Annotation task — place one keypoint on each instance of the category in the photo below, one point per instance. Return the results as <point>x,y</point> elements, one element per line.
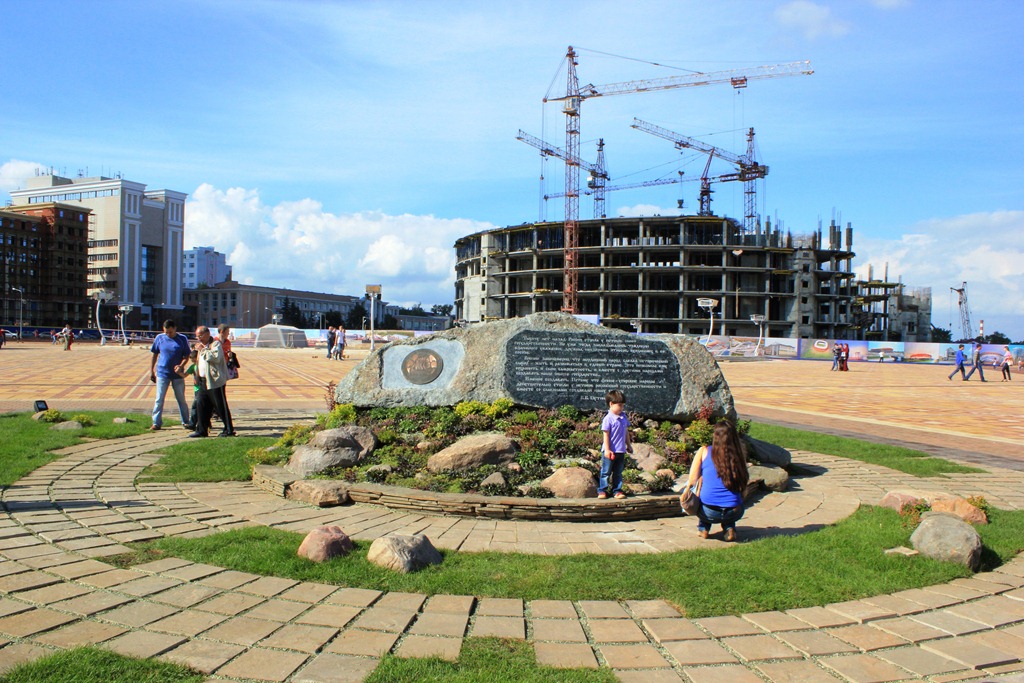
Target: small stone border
<point>278,481</point>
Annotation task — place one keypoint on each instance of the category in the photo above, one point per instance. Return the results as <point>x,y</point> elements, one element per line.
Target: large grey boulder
<point>470,452</point>
<point>403,553</point>
<point>944,536</point>
<point>544,360</point>
<point>341,447</point>
<point>772,477</point>
<point>324,543</point>
<point>767,453</point>
<point>571,482</point>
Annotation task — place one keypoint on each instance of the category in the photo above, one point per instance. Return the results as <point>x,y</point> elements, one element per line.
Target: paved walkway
<point>61,520</point>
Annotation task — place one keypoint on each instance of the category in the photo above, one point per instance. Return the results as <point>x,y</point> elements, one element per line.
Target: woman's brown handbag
<point>690,499</point>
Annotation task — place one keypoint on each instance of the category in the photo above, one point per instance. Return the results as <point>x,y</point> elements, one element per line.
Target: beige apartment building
<point>135,246</point>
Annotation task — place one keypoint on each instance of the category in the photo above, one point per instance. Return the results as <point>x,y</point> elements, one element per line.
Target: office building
<point>204,267</point>
<point>135,240</point>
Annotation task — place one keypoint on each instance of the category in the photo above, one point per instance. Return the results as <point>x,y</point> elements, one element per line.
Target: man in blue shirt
<point>169,350</point>
<point>959,364</point>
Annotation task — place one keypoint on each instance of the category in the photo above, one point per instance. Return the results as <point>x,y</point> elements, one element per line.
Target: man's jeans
<point>177,385</point>
<point>613,469</point>
<point>727,517</point>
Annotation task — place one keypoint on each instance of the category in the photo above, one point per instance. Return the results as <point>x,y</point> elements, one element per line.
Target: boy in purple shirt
<point>617,442</point>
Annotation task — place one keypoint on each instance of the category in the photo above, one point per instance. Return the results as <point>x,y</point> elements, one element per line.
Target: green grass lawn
<point>906,460</point>
<point>27,443</point>
<point>205,460</point>
<point>91,665</point>
<point>836,563</point>
<point>484,659</point>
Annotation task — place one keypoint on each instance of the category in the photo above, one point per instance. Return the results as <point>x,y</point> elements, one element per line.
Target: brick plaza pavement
<point>59,522</point>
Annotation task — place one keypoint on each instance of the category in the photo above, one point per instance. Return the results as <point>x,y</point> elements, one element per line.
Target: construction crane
<point>749,169</point>
<point>966,329</point>
<point>615,188</point>
<point>571,101</point>
<point>598,174</point>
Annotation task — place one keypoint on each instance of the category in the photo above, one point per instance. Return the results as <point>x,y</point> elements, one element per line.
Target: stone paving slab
<point>238,625</point>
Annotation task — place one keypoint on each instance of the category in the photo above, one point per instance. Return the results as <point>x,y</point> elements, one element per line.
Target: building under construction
<point>661,273</point>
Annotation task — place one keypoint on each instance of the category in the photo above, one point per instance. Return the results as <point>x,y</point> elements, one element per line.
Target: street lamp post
<point>101,296</point>
<point>759,319</point>
<point>372,291</point>
<point>709,306</point>
<point>125,310</point>
<point>21,312</point>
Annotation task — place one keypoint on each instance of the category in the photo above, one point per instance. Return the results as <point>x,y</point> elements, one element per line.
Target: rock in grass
<point>70,425</point>
<point>324,543</point>
<point>403,553</point>
<point>122,420</point>
<point>944,536</point>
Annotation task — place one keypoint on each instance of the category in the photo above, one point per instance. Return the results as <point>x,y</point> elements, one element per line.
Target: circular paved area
<point>61,520</point>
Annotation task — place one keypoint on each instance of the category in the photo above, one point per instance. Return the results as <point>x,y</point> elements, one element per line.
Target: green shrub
<point>661,483</point>
<point>701,431</point>
<point>476,422</point>
<point>53,416</point>
<point>443,422</point>
<point>569,413</point>
<point>526,417</point>
<point>531,458</point>
<point>386,436</point>
<point>296,435</point>
<point>470,408</point>
<point>539,492</point>
<point>631,476</point>
<point>665,427</point>
<point>548,442</point>
<point>408,426</point>
<point>265,456</point>
<point>641,436</point>
<point>911,513</point>
<point>497,489</point>
<point>499,407</point>
<point>981,503</point>
<point>84,420</point>
<point>376,476</point>
<point>743,427</point>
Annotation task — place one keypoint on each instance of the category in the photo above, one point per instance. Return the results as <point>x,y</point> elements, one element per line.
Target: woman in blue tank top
<point>719,476</point>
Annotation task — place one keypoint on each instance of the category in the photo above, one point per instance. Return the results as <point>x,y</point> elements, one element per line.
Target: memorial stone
<point>545,360</point>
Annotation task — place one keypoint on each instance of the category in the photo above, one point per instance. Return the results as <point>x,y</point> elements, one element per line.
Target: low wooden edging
<point>646,506</point>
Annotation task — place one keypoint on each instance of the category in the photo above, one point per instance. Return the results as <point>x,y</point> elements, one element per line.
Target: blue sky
<point>326,145</point>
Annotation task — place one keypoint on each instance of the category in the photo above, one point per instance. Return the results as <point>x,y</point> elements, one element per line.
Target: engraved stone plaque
<point>557,368</point>
<point>422,366</point>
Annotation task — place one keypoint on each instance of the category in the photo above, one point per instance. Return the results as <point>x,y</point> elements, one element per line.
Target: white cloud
<point>890,4</point>
<point>298,245</point>
<point>981,249</point>
<point>813,20</point>
<point>15,172</point>
<point>644,210</point>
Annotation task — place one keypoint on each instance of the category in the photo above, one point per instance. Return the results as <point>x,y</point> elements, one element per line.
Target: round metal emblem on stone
<point>422,366</point>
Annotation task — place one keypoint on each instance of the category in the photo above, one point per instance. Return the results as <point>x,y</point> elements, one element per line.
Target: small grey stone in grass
<point>70,425</point>
<point>901,550</point>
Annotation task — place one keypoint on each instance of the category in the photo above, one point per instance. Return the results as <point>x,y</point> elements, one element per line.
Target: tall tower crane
<point>571,101</point>
<point>596,181</point>
<point>966,329</point>
<point>749,170</point>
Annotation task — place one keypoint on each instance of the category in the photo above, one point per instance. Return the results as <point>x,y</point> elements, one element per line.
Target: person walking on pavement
<point>837,351</point>
<point>959,360</point>
<point>976,363</point>
<point>213,375</point>
<point>169,349</point>
<point>331,337</point>
<point>1007,362</point>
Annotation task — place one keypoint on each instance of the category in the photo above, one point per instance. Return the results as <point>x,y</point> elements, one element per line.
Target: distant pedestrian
<point>844,358</point>
<point>339,344</point>
<point>1007,362</point>
<point>881,355</point>
<point>617,443</point>
<point>3,337</point>
<point>837,352</point>
<point>959,360</point>
<point>331,337</point>
<point>976,363</point>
